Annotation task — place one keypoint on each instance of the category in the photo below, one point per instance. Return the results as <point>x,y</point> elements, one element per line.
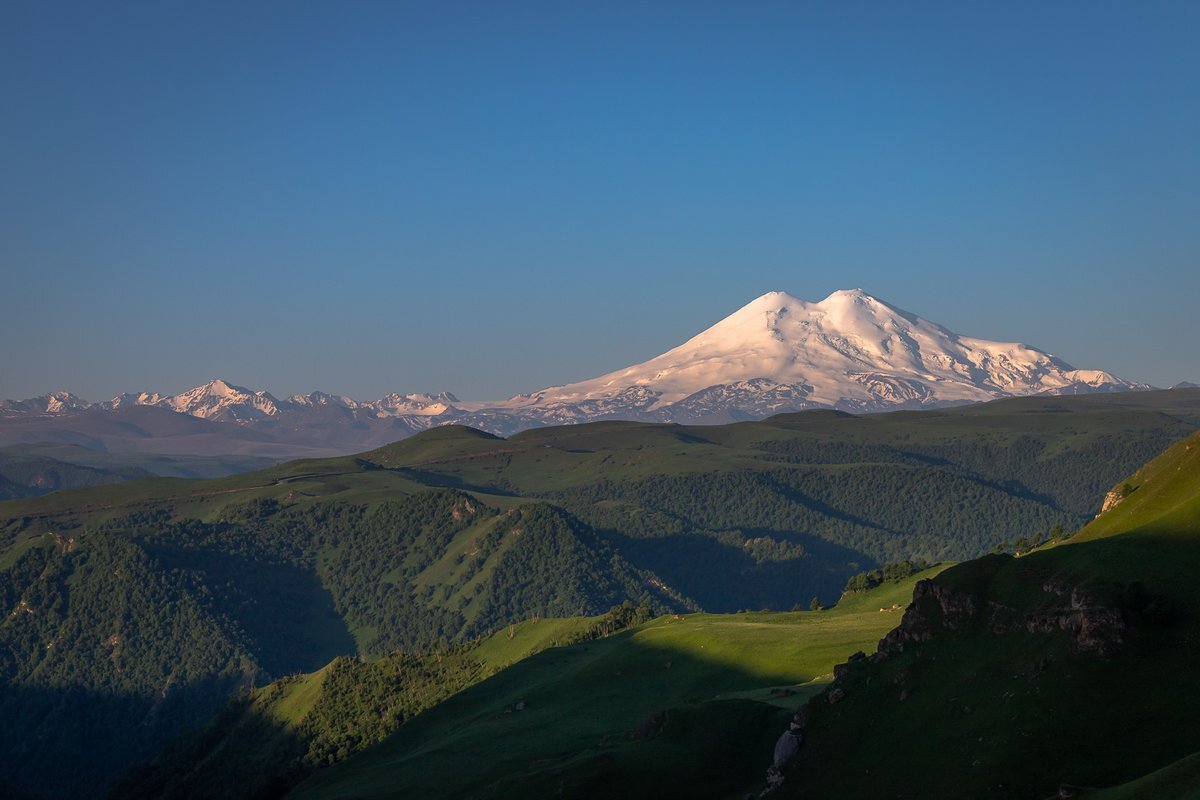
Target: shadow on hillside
<point>631,715</point>
<point>623,717</point>
<point>1010,684</point>
<point>826,510</point>
<point>725,578</point>
<point>288,616</point>
<point>703,750</point>
<point>443,481</point>
<point>241,753</point>
<point>70,742</point>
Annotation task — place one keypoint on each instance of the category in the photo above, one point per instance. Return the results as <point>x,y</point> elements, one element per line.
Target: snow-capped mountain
<point>321,399</point>
<point>224,402</point>
<point>850,351</point>
<point>778,353</point>
<point>420,405</point>
<point>52,403</point>
<point>136,399</point>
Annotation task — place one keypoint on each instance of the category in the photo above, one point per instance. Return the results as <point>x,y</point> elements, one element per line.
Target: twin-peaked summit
<point>850,351</point>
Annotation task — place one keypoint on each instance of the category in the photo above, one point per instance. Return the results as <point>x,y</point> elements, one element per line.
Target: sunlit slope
<point>1011,676</point>
<point>269,739</point>
<point>1163,496</point>
<point>672,681</point>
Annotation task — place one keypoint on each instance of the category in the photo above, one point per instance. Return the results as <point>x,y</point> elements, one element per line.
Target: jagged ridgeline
<point>1012,677</point>
<point>135,610</point>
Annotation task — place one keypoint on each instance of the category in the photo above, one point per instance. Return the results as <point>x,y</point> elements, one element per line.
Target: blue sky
<point>490,198</point>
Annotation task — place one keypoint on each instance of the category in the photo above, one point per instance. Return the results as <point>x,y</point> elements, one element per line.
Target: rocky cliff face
<point>1115,496</point>
<point>973,603</point>
<point>1095,624</point>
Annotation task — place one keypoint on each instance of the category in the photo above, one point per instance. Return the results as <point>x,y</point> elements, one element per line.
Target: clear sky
<point>490,198</point>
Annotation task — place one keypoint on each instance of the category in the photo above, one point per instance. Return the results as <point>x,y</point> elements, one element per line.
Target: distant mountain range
<point>778,353</point>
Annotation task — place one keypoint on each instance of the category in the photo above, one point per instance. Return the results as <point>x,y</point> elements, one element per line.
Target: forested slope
<point>136,609</point>
<point>117,637</point>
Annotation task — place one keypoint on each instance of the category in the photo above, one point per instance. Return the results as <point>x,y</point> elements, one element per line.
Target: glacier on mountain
<point>778,353</point>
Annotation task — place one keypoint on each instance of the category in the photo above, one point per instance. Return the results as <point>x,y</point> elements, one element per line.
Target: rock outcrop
<point>1096,620</point>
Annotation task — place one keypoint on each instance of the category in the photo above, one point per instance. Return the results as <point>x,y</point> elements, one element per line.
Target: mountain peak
<point>850,351</point>
<point>60,402</point>
<point>221,388</point>
<point>774,298</point>
<point>853,294</point>
<point>779,300</point>
<point>64,402</point>
<point>219,399</point>
<point>849,298</point>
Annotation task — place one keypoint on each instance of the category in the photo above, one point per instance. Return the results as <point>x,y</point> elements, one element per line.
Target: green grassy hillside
<point>1011,676</point>
<point>136,609</point>
<point>271,738</point>
<point>625,715</point>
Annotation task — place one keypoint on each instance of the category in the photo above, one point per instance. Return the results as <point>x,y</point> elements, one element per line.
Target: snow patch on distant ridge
<point>850,351</point>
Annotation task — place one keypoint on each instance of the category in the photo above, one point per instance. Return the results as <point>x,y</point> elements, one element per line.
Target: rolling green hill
<point>623,714</point>
<point>812,497</point>
<point>135,610</point>
<point>1009,677</point>
<point>269,739</point>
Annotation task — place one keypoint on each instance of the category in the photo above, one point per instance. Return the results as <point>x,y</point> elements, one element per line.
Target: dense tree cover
<point>839,506</point>
<point>555,568</point>
<point>260,744</point>
<point>1068,468</point>
<point>117,637</point>
<point>1024,543</point>
<point>888,572</point>
<point>104,654</point>
<point>883,512</point>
